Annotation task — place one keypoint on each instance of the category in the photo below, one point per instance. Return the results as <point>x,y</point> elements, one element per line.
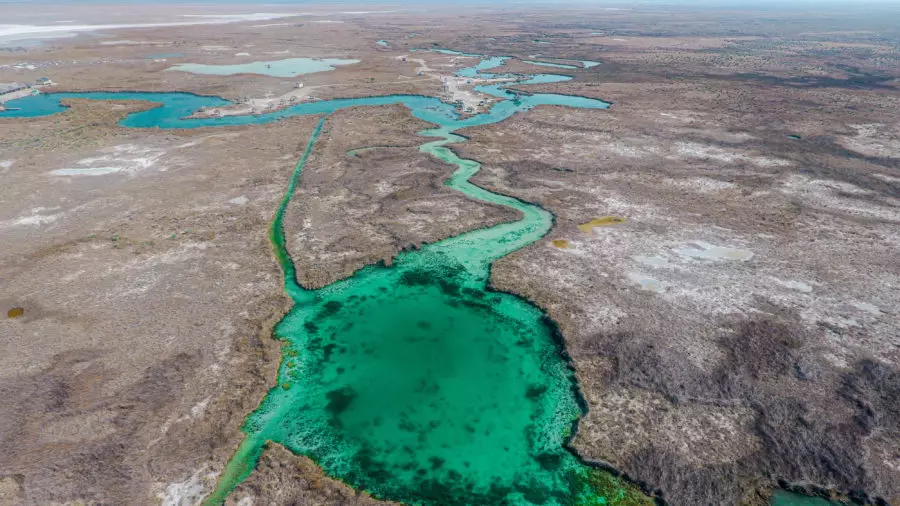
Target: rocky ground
<point>727,292</point>
<point>148,299</point>
<point>126,59</point>
<point>284,478</point>
<point>368,192</point>
<point>737,324</point>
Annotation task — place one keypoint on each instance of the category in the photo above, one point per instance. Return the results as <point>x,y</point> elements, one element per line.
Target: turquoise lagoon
<point>784,498</point>
<point>585,64</point>
<point>415,382</point>
<point>548,64</point>
<point>290,67</point>
<point>164,56</point>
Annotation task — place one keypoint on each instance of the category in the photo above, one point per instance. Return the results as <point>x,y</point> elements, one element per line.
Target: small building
<point>298,85</point>
<point>44,81</point>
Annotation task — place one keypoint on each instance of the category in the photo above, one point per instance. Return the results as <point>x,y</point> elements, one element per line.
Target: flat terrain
<point>368,193</point>
<point>723,267</point>
<point>148,299</point>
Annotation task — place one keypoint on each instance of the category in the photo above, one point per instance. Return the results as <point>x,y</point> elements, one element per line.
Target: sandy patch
<point>127,158</point>
<point>705,152</point>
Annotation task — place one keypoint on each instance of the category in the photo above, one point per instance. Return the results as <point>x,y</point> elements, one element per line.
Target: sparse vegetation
<point>769,132</point>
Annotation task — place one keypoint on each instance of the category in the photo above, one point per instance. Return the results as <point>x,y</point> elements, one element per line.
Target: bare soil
<point>736,332</point>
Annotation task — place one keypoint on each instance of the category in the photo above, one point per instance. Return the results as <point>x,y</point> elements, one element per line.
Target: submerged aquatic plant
<point>416,382</point>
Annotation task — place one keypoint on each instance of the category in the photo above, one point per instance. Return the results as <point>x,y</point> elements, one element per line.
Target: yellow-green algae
<point>605,221</point>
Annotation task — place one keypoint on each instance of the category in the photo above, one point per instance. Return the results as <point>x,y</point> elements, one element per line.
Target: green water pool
<point>785,498</point>
<point>417,383</point>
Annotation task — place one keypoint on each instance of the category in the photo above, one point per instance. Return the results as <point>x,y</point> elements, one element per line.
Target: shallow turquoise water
<point>165,55</point>
<point>785,498</point>
<point>290,67</point>
<point>485,64</point>
<point>415,382</point>
<point>548,64</point>
<point>585,64</point>
<point>452,52</point>
<point>176,106</point>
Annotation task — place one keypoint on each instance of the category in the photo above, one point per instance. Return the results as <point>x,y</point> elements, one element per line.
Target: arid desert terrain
<point>723,266</point>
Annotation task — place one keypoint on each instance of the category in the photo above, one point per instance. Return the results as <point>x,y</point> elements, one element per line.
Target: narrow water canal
<point>415,382</point>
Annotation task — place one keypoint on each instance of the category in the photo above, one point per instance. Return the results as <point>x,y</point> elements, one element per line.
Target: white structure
<point>11,87</point>
<point>12,91</point>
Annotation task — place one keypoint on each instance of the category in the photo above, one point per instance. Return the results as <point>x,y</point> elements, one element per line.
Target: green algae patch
<point>605,221</point>
<point>15,312</point>
<point>560,243</point>
<point>598,487</point>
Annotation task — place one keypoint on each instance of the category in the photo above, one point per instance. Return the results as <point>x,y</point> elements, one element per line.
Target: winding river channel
<point>415,382</point>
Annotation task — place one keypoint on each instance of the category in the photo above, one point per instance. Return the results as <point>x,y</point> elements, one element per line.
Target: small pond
<point>290,67</point>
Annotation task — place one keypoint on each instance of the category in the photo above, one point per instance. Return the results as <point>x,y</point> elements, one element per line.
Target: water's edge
<point>243,461</point>
<point>246,457</point>
<point>534,223</point>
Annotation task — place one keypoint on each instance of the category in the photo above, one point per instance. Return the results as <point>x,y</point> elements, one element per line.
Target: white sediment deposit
<point>17,31</point>
<point>128,158</point>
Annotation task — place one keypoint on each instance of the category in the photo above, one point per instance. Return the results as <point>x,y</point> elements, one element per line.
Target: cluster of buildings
<point>11,91</point>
